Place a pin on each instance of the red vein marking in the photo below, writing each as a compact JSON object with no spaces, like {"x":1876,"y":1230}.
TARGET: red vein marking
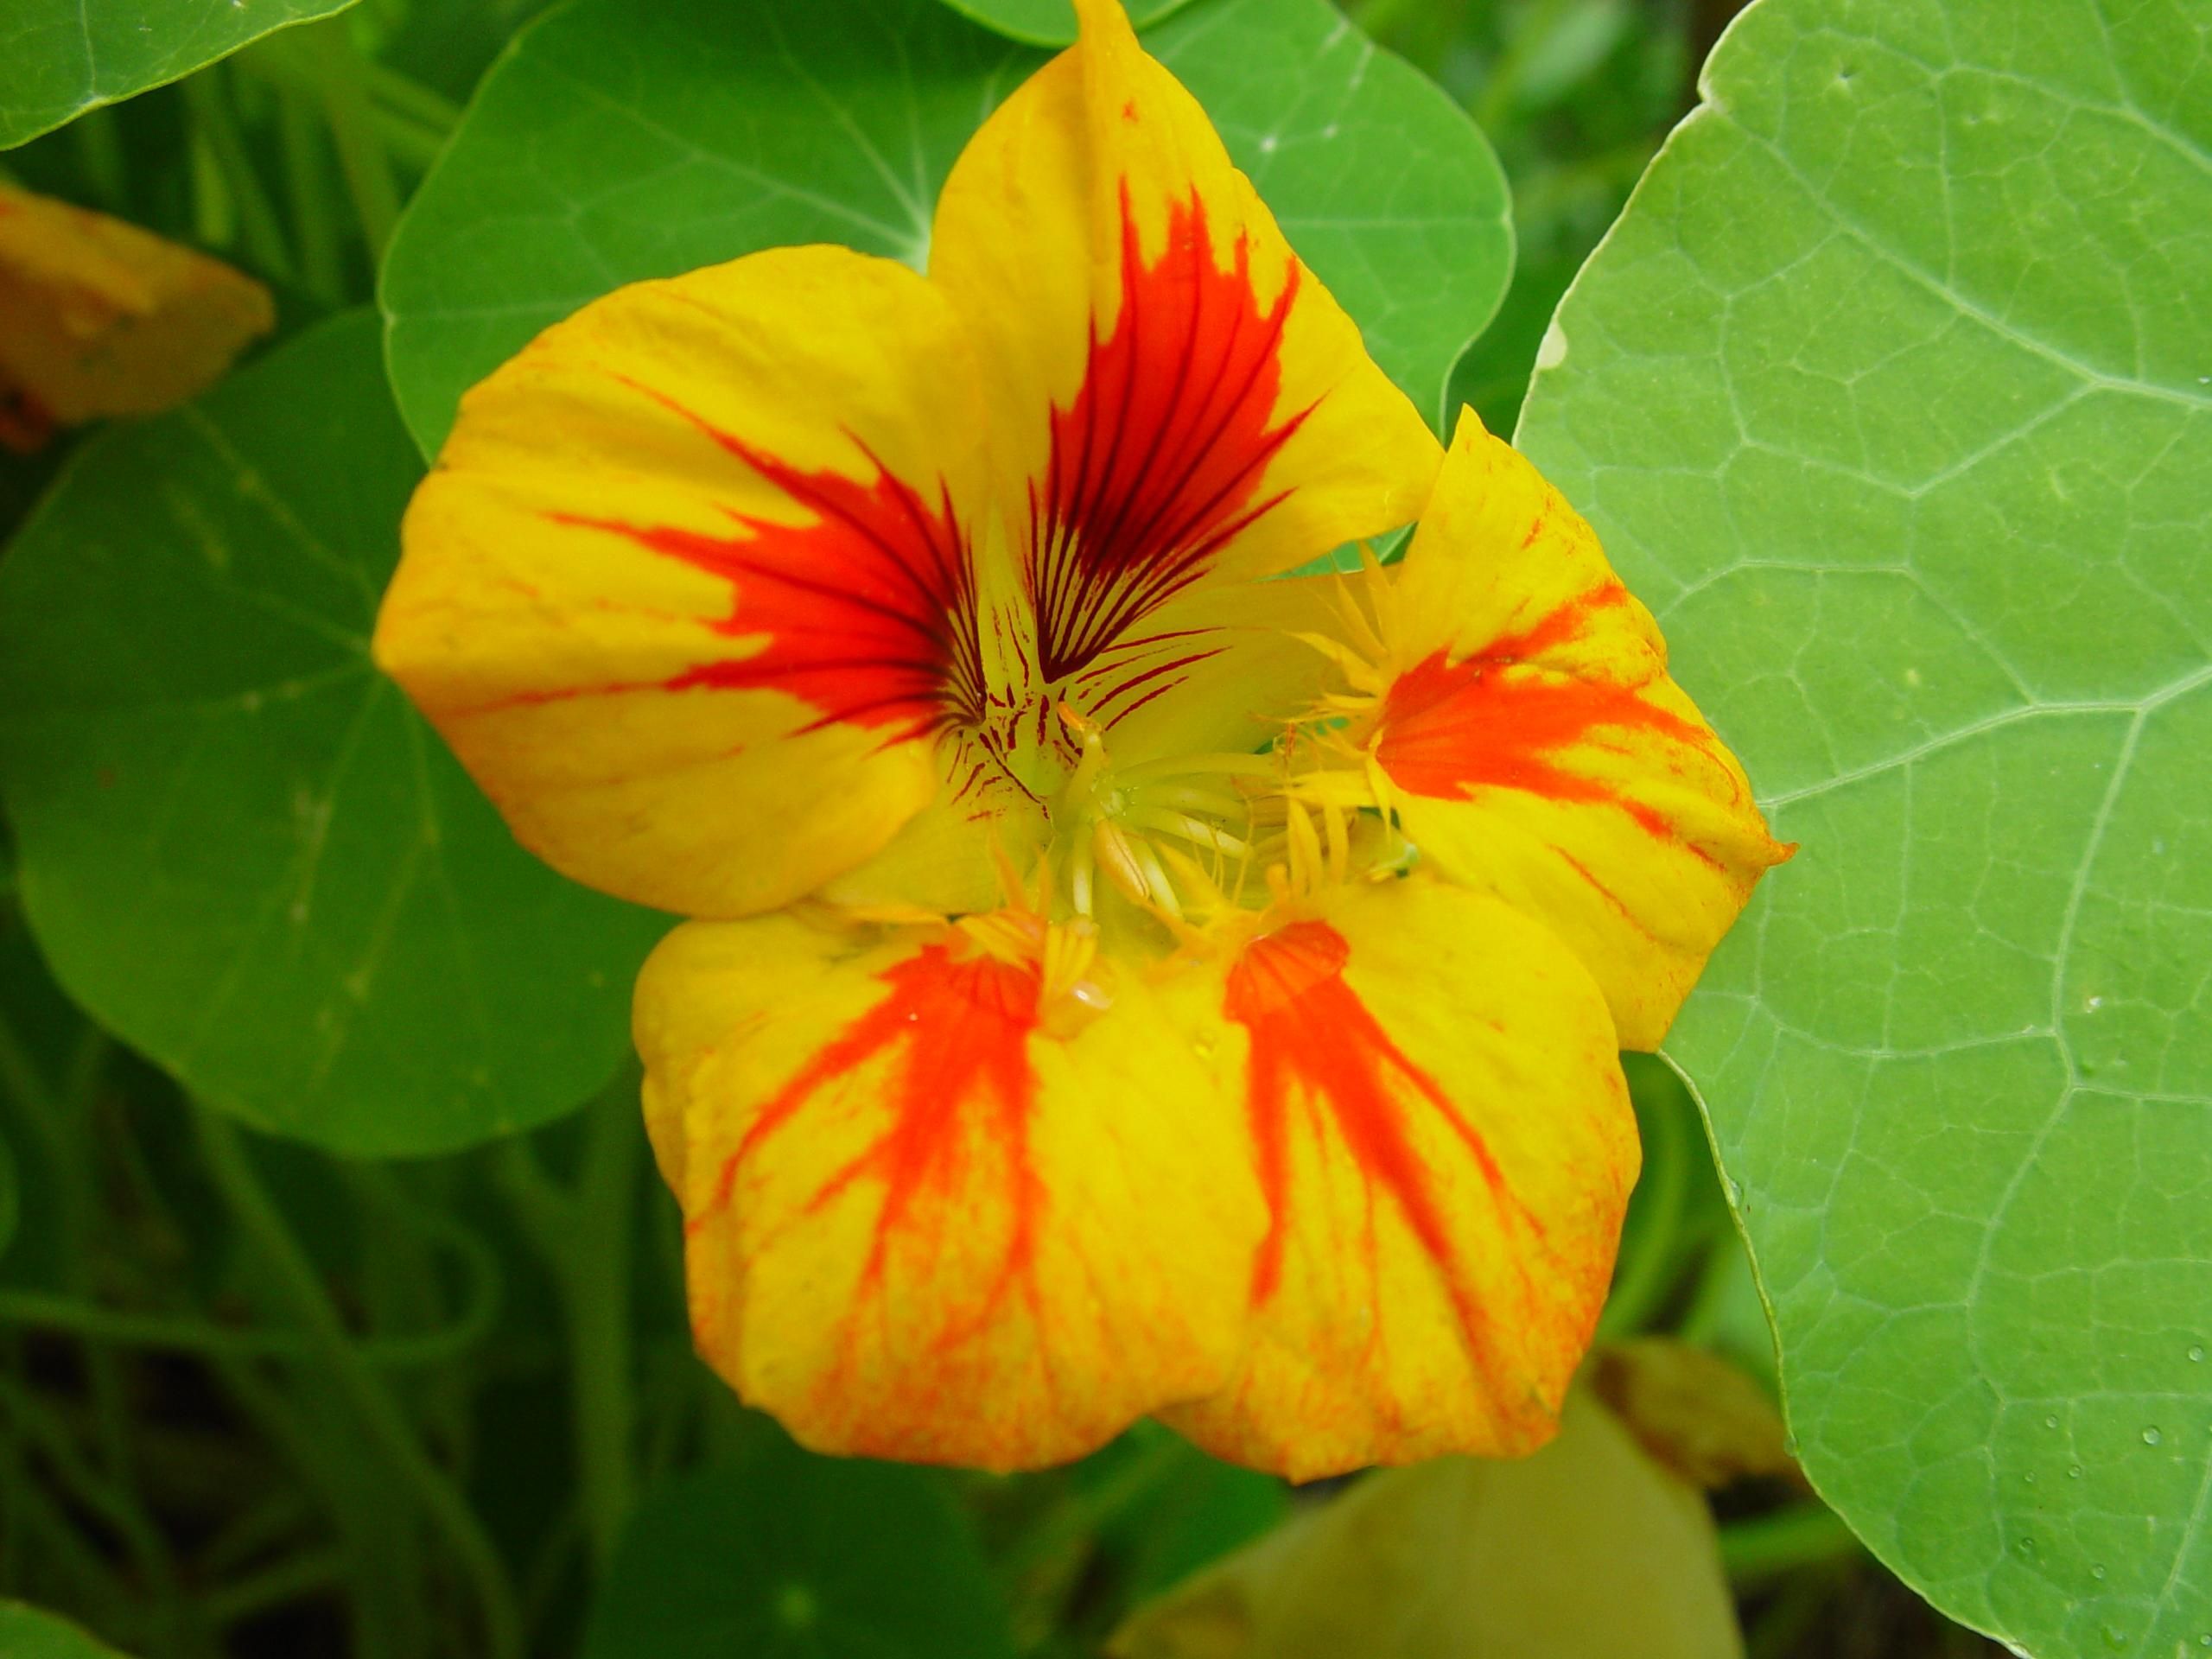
{"x":956,"y":1030}
{"x":1450,"y":727}
{"x":1312,"y":1036}
{"x":869,"y":610}
{"x":1153,"y":465}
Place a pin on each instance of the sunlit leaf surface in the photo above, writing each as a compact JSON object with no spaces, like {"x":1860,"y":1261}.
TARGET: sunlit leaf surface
{"x":1889,"y":395}
{"x":60,"y":58}
{"x":616,"y":143}
{"x":240,"y":847}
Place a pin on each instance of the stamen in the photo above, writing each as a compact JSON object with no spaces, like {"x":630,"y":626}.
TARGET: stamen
{"x":1226,"y":764}
{"x":1221,"y":804}
{"x":1186,"y":827}
{"x":1156,"y":876}
{"x":1083,"y":866}
{"x":1114,"y":857}
{"x":1340,"y":838}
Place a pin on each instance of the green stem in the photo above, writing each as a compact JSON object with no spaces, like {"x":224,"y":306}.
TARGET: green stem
{"x":99,"y":143}
{"x":379,"y":1606}
{"x":109,"y":1500}
{"x":328,"y":49}
{"x":314,"y":225}
{"x":272,"y":1587}
{"x":585,"y":1236}
{"x":261,"y":239}
{"x":1086,"y":1509}
{"x":1648,"y":1264}
{"x":406,"y":96}
{"x":197,"y":1336}
{"x":1769,"y":1545}
{"x":1502,"y":87}
{"x":373,"y":1403}
{"x":33,"y":1514}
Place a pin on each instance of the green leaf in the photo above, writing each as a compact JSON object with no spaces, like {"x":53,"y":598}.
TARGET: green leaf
{"x":614,"y":144}
{"x":788,"y":1555}
{"x":60,"y":58}
{"x":1889,"y":394}
{"x":27,"y":1633}
{"x":240,"y":847}
{"x":1050,"y":22}
{"x":11,"y":1208}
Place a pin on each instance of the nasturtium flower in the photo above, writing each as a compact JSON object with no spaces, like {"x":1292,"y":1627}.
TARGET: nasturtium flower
{"x":98,"y":317}
{"x":1123,"y":979}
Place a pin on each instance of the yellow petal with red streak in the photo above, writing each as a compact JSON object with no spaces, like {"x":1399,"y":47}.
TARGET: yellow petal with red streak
{"x":1445,"y":1143}
{"x":690,"y":590}
{"x":925,"y":1222}
{"x":1174,"y":396}
{"x":1541,"y":753}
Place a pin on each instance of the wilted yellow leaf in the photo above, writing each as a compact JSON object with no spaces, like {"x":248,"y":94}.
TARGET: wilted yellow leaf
{"x":1587,"y":1550}
{"x":1693,"y":1411}
{"x":98,"y":317}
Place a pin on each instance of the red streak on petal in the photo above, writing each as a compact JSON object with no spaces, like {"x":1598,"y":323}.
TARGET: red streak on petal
{"x":1311,"y":1034}
{"x":957,"y":1033}
{"x":1497,"y":720}
{"x":868,"y":611}
{"x":1155,"y":463}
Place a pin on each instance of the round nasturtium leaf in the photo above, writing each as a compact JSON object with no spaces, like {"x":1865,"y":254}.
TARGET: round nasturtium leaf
{"x":27,"y":1633}
{"x":60,"y":58}
{"x":1050,"y":22}
{"x":239,"y":847}
{"x":1891,"y":393}
{"x":615,"y":142}
{"x":790,"y":1556}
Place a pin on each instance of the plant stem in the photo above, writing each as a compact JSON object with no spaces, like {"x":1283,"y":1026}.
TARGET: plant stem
{"x":272,"y":1587}
{"x":585,"y":1237}
{"x":373,"y":1403}
{"x":328,"y":49}
{"x":261,"y":239}
{"x":313,"y":227}
{"x":1768,"y":1545}
{"x":1648,"y":1263}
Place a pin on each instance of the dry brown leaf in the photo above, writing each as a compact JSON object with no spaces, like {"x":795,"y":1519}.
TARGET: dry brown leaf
{"x":98,"y":317}
{"x":1694,"y":1411}
{"x":1587,"y":1550}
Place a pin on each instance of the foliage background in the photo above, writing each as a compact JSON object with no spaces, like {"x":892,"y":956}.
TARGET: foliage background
{"x":263,"y":1393}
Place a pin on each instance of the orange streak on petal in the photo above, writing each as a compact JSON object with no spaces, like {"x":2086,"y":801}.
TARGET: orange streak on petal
{"x":1448,"y":728}
{"x":1311,"y":1034}
{"x":957,"y":1031}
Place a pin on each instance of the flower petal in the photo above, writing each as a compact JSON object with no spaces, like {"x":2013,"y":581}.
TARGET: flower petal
{"x":690,"y":588}
{"x":98,"y":317}
{"x":922,"y":1225}
{"x":1446,"y":1146}
{"x":1182,"y":395}
{"x":1227,"y":665}
{"x":1539,"y":750}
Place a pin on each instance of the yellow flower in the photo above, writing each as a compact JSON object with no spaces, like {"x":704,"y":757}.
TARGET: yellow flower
{"x":98,"y":317}
{"x":1124,"y":981}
